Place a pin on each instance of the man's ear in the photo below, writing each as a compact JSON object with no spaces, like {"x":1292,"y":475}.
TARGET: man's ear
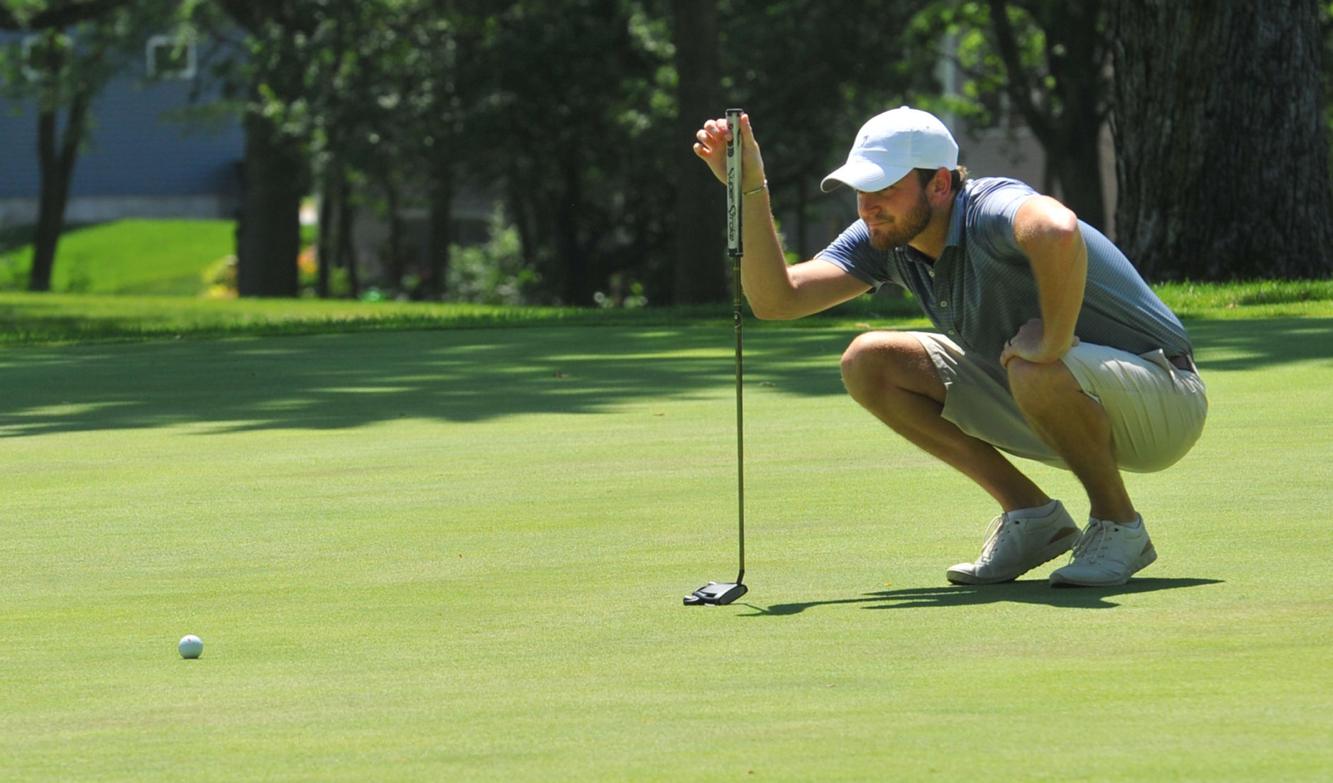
{"x":939,"y":184}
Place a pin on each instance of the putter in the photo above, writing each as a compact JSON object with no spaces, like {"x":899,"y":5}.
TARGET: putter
{"x":723,"y":593}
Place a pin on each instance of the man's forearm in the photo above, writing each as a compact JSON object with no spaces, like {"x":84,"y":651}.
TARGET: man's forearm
{"x":763,"y":267}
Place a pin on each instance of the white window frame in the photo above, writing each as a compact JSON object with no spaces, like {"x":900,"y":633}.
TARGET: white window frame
{"x":171,"y":41}
{"x":28,"y":71}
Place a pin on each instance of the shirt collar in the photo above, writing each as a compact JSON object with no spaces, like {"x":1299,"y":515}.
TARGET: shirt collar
{"x":955,"y":236}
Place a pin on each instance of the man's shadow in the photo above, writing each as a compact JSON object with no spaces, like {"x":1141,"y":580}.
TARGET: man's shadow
{"x":1031,"y":591}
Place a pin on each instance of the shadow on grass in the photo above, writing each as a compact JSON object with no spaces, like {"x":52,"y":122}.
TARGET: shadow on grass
{"x":1031,"y":591}
{"x":1248,"y":344}
{"x":348,"y":380}
{"x":20,"y":236}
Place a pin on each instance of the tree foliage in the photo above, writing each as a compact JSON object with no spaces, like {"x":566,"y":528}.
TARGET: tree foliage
{"x":575,"y":116}
{"x":568,"y":112}
{"x":1037,"y":64}
{"x":54,"y":14}
{"x":811,"y":72}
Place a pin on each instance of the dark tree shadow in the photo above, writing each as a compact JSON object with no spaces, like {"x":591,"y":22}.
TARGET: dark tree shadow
{"x":1031,"y":591}
{"x":348,"y":380}
{"x":1252,"y":343}
{"x":461,"y":375}
{"x":16,"y":236}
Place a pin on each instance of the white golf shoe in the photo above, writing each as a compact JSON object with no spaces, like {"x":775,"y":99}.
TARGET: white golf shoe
{"x":1015,"y":545}
{"x":1106,"y":554}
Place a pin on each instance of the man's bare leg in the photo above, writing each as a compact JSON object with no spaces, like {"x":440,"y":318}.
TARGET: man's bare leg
{"x":1077,"y":428}
{"x":891,"y":375}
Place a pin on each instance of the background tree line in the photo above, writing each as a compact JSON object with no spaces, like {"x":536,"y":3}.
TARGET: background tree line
{"x":577,"y":116}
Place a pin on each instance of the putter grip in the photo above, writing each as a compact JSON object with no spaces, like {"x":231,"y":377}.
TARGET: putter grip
{"x":734,"y":245}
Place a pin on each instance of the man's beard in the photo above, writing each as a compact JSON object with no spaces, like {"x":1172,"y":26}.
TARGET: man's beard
{"x":904,"y":230}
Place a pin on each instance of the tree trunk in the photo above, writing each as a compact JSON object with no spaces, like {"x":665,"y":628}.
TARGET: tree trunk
{"x":394,"y":268}
{"x":700,"y":272}
{"x":441,"y":225}
{"x":56,"y":156}
{"x":576,"y":280}
{"x":1068,"y":124}
{"x":347,"y":255}
{"x":51,"y":204}
{"x":268,"y":238}
{"x":1222,"y":156}
{"x":802,"y":218}
{"x":522,"y":218}
{"x":327,"y":242}
{"x":1080,"y":189}
{"x":1075,"y":53}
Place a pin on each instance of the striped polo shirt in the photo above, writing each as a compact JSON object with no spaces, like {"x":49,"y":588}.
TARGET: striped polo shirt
{"x":981,"y":289}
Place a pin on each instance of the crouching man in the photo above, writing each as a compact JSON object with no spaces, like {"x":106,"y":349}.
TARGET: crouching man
{"x":1050,"y":346}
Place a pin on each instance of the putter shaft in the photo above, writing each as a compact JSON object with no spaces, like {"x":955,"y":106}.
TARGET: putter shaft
{"x":735,"y":248}
{"x":722,"y":593}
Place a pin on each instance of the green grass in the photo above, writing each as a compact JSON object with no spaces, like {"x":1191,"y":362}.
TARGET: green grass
{"x":80,"y":318}
{"x":43,"y":319}
{"x":1255,"y":298}
{"x":147,"y":259}
{"x":153,"y":257}
{"x":459,"y":555}
{"x":76,"y":318}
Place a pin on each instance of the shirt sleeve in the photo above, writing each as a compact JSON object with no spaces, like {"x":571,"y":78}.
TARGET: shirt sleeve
{"x":851,"y":252}
{"x":990,"y":218}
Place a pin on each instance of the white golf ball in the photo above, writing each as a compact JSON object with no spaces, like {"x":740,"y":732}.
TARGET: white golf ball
{"x":191,"y":646}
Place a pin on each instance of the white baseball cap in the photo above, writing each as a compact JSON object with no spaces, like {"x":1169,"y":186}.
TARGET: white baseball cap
{"x":892,"y":144}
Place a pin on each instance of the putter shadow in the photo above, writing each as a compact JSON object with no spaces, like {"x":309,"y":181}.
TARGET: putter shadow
{"x":1031,"y":591}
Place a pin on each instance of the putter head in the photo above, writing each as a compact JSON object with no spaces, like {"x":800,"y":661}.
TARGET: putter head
{"x":716,"y":593}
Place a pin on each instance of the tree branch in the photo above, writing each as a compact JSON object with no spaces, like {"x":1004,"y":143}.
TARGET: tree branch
{"x":1019,"y":91}
{"x":61,"y":16}
{"x":244,"y":13}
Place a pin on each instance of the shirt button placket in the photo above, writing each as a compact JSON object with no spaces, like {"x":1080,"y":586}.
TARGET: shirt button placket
{"x":944,"y":305}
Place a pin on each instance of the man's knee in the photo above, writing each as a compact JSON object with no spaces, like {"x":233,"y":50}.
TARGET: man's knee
{"x":869,"y":359}
{"x":883,"y":361}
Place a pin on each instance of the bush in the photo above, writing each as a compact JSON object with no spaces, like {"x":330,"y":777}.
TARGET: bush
{"x":491,"y":273}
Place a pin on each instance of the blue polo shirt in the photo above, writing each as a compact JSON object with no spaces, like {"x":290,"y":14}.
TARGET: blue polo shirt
{"x":981,"y":289}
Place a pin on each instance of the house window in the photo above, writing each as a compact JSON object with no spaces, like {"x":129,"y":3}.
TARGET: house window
{"x":170,"y":57}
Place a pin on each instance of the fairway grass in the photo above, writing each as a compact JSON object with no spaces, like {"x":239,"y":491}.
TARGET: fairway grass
{"x":460,"y":555}
{"x":56,"y":319}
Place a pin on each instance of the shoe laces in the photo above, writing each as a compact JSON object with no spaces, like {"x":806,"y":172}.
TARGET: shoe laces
{"x":994,"y":533}
{"x":1089,"y":545}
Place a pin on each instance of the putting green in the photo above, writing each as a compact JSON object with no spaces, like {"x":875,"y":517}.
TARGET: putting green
{"x":460,"y":555}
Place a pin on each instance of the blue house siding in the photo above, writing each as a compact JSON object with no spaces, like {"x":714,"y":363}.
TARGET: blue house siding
{"x":133,"y":149}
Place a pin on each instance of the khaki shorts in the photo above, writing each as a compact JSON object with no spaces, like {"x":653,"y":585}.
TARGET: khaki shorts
{"x":1157,"y":410}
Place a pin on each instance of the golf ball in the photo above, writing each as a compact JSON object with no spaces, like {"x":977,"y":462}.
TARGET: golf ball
{"x":191,"y":646}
